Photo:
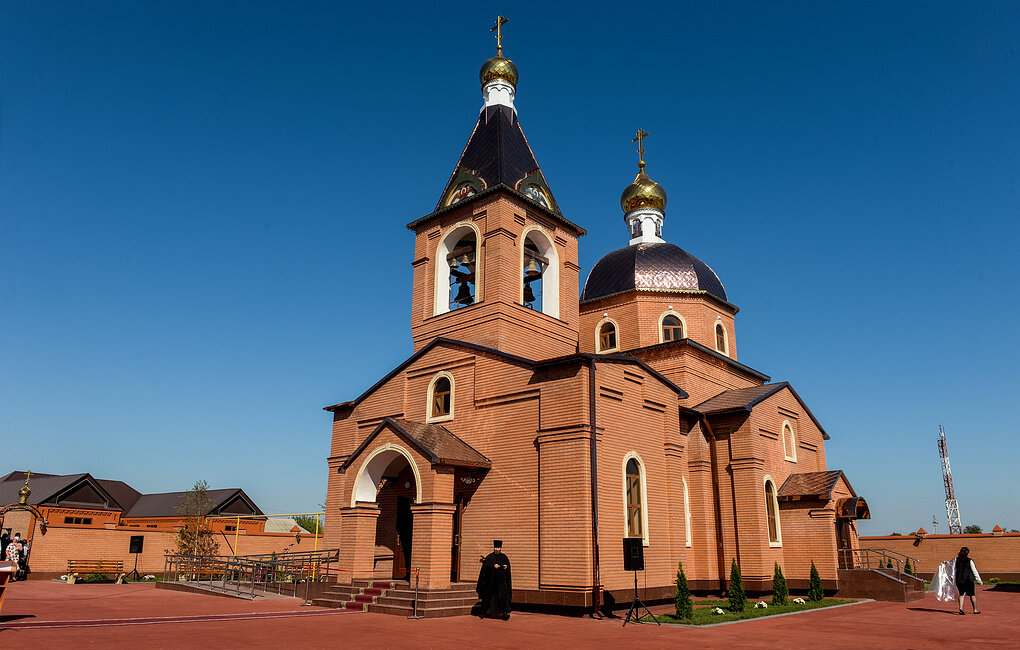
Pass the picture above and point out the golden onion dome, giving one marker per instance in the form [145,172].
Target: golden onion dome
[24,493]
[499,67]
[643,192]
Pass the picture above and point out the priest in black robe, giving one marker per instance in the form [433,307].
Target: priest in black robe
[495,587]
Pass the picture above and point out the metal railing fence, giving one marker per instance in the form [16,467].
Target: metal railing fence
[243,575]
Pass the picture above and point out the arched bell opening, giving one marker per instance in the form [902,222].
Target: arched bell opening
[457,270]
[540,273]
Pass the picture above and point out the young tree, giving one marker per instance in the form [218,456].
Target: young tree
[909,570]
[738,599]
[780,592]
[194,537]
[973,529]
[682,598]
[308,523]
[815,592]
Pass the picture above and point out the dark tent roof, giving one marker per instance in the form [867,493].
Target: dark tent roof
[498,153]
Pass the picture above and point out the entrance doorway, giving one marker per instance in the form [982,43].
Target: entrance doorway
[394,532]
[455,546]
[843,543]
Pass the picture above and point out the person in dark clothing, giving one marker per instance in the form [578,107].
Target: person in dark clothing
[966,574]
[495,586]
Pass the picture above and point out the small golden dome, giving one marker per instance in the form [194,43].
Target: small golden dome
[643,192]
[499,67]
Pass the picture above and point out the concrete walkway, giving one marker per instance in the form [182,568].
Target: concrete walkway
[48,614]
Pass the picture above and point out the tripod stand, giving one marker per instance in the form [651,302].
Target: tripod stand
[637,606]
[134,572]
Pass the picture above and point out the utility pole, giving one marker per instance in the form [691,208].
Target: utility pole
[952,507]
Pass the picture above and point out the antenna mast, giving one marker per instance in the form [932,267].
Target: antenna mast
[952,508]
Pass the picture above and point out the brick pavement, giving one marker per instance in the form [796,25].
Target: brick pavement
[237,623]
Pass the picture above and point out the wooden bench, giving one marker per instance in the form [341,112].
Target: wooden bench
[95,566]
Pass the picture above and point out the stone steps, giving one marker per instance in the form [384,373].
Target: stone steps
[397,598]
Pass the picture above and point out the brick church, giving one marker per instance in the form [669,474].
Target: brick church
[562,425]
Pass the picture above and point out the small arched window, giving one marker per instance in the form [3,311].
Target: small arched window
[441,398]
[607,337]
[672,329]
[789,442]
[634,504]
[720,338]
[772,513]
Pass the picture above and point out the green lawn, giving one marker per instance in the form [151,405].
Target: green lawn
[703,611]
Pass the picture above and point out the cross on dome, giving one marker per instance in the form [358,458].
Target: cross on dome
[639,138]
[498,28]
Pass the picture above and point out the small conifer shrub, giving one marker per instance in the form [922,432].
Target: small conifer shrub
[815,592]
[780,592]
[682,599]
[738,599]
[909,570]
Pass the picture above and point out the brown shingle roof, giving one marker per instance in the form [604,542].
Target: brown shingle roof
[739,399]
[745,399]
[444,447]
[437,443]
[810,485]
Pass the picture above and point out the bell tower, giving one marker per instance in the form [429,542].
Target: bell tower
[495,262]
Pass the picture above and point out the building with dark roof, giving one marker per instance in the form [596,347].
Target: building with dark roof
[561,425]
[88,518]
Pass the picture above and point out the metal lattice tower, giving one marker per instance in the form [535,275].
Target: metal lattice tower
[952,508]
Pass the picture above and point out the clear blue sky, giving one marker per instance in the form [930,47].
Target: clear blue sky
[202,209]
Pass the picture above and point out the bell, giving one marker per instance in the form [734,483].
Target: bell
[464,296]
[532,272]
[529,295]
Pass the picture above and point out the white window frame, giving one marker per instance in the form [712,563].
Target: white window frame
[726,337]
[683,324]
[428,404]
[775,504]
[789,446]
[644,495]
[598,336]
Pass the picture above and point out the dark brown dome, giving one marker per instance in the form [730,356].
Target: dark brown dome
[650,267]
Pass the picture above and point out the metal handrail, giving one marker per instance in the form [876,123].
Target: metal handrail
[227,573]
[878,558]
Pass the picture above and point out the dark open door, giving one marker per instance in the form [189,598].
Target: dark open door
[402,549]
[455,547]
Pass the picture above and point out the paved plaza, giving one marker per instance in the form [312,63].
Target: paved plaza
[50,614]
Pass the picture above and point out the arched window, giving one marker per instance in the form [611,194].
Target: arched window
[440,398]
[721,343]
[772,513]
[687,512]
[789,442]
[457,269]
[540,273]
[634,501]
[606,339]
[672,329]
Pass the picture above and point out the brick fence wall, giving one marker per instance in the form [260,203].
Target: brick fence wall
[50,552]
[995,555]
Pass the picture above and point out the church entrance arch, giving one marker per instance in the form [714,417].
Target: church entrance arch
[390,478]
